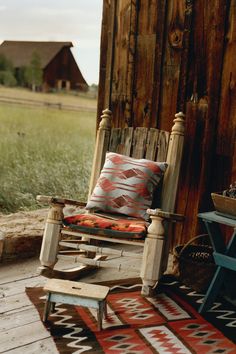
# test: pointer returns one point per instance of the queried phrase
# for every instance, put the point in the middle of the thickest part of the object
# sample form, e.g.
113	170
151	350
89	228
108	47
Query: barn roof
20	52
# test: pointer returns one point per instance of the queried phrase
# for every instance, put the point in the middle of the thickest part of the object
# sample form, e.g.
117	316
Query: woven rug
167	323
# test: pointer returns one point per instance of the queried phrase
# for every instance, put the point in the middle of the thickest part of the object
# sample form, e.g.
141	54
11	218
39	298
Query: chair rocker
63	241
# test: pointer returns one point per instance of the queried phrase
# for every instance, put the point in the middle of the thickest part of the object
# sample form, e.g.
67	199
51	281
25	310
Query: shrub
7	78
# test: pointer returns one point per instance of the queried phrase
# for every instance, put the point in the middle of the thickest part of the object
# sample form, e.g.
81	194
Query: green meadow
43	151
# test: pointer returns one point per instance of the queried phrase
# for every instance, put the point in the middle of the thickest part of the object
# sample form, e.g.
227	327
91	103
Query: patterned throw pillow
126	185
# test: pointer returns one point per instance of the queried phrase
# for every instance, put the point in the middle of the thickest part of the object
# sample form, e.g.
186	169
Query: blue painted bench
224	255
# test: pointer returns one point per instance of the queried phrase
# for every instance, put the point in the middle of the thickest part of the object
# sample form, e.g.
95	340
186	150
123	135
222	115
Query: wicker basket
194	264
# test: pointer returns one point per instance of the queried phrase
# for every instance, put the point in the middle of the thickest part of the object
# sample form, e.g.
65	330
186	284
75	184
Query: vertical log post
101	147
51	236
156	247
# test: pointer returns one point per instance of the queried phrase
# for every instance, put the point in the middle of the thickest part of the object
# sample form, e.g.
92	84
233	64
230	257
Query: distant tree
33	73
93	90
7	78
6	72
5	64
20	76
93	87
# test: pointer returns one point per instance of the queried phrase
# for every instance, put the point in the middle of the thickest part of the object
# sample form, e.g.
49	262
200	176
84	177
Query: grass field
43	151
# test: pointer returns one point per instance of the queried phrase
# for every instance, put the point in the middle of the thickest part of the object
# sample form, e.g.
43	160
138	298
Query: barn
60	70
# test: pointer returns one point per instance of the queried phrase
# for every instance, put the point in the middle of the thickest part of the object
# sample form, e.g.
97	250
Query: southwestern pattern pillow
126	185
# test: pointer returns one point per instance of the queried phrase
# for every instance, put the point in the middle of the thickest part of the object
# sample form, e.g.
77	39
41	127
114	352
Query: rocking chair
138	147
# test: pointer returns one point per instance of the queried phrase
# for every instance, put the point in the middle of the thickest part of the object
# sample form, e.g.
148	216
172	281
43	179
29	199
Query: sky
77	21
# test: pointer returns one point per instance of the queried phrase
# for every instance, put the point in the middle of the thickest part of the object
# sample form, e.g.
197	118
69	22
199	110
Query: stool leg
105	309
47	307
53	304
100	312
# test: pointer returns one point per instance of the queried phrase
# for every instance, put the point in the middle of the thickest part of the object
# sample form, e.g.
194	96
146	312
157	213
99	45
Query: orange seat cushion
107	226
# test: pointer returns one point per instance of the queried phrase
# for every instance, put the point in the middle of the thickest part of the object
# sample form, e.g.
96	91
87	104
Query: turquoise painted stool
224	255
78	294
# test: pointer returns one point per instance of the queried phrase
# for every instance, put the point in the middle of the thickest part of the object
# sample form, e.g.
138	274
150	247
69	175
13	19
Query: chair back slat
162	146
139	142
152	144
115	140
126	141
121	141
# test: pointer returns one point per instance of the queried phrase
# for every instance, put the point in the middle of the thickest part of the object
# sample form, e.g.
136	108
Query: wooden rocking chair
151	144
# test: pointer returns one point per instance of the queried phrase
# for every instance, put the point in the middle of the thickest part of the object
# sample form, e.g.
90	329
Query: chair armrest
165	215
57	200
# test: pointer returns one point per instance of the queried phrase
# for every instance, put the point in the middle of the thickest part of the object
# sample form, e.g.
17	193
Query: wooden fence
37	103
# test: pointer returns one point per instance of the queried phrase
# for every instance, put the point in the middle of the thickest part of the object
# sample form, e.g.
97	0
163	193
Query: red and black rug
168	323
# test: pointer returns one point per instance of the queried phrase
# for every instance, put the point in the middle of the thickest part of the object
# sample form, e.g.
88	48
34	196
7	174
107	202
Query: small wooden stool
76	293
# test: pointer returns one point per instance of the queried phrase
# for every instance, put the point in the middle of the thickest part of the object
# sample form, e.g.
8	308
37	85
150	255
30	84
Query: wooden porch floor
21	330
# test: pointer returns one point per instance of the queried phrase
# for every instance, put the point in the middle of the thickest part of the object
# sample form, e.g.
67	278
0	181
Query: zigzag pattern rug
168	323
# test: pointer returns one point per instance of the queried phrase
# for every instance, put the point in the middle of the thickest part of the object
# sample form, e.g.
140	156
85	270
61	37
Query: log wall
162	56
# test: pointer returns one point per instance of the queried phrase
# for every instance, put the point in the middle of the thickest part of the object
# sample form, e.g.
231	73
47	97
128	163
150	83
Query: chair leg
152	256
51	237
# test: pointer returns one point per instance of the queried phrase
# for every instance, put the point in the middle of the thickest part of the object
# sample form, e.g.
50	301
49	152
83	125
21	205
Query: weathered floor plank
43	346
21	330
18	286
19	317
18	301
23	335
24	269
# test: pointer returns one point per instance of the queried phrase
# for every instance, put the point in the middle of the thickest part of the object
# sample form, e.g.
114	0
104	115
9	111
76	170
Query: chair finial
105	119
178	127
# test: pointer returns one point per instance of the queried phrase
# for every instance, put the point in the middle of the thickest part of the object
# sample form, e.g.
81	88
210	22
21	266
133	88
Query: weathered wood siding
159	57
